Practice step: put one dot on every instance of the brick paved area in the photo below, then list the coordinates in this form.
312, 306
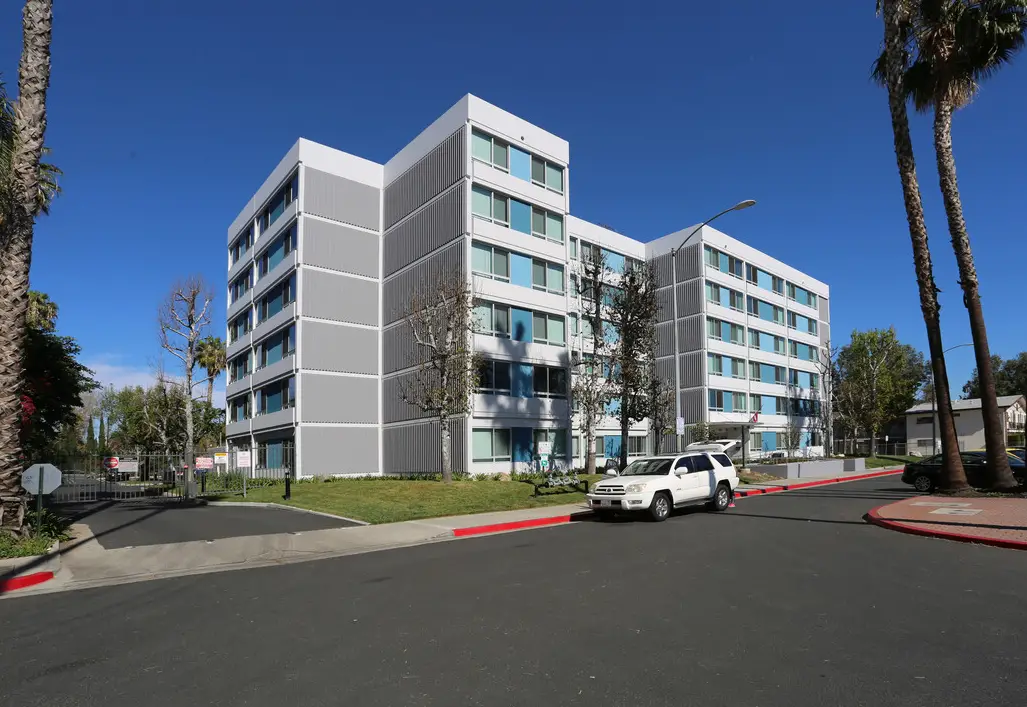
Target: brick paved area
990, 521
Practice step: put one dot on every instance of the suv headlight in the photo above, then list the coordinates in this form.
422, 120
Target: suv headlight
634, 488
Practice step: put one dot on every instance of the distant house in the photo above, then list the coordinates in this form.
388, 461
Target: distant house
921, 420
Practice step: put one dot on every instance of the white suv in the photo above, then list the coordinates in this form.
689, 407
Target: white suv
660, 484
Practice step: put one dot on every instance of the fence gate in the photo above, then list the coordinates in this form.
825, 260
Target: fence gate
145, 477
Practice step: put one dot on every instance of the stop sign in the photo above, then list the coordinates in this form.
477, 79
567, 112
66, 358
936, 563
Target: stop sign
110, 463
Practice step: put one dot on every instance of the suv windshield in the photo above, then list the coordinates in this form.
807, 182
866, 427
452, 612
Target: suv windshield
647, 467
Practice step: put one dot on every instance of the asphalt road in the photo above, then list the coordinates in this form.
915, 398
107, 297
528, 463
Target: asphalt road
153, 522
787, 600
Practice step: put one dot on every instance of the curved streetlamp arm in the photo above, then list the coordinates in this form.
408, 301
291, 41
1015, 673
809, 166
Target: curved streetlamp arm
737, 207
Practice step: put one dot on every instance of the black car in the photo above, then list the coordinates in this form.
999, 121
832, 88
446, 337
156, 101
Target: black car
923, 475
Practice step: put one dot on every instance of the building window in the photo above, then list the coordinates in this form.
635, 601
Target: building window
766, 373
717, 399
723, 262
282, 247
279, 202
557, 438
574, 253
278, 396
241, 245
490, 150
278, 298
600, 446
490, 205
803, 352
240, 286
276, 347
929, 420
239, 367
546, 174
575, 446
766, 342
548, 329
550, 382
766, 311
490, 262
590, 253
547, 277
492, 319
240, 326
494, 378
725, 331
801, 323
802, 296
239, 408
762, 278
637, 446
545, 224
715, 364
490, 445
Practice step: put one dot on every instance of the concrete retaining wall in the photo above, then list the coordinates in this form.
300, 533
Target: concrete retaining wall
812, 469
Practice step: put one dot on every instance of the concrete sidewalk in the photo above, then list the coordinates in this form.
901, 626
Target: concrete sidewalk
86, 563
779, 485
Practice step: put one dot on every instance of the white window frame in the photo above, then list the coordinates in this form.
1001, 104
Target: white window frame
492, 262
492, 441
493, 194
492, 150
545, 269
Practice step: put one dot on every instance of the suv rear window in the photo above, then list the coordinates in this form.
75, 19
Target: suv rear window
723, 460
702, 462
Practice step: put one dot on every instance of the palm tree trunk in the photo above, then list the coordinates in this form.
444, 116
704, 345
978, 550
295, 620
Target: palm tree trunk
1000, 475
16, 249
953, 477
210, 388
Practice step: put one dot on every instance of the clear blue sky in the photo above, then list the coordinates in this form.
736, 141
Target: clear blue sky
166, 116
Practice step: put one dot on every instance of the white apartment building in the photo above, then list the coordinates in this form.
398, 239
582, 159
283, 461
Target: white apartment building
324, 257
923, 435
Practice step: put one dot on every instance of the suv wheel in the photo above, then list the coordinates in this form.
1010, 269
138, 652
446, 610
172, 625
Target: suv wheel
721, 498
660, 508
923, 483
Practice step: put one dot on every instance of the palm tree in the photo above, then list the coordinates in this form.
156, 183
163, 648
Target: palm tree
890, 69
958, 44
212, 356
42, 313
22, 195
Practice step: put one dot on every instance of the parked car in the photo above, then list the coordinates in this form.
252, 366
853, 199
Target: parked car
658, 485
923, 475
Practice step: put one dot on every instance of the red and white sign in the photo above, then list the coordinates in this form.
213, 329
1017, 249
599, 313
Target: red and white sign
204, 462
110, 463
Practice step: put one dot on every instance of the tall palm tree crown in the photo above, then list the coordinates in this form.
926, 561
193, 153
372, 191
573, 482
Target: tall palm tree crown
212, 357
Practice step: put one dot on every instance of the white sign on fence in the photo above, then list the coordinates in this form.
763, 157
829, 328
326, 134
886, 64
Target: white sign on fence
204, 462
128, 465
680, 427
242, 460
220, 457
545, 448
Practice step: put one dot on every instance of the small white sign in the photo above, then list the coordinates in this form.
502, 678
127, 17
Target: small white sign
48, 474
128, 466
204, 462
242, 460
956, 511
680, 426
545, 448
220, 457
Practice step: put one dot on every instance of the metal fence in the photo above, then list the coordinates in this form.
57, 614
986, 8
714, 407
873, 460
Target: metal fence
89, 478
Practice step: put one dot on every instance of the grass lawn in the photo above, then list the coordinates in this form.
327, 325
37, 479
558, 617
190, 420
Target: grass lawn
881, 462
25, 547
391, 501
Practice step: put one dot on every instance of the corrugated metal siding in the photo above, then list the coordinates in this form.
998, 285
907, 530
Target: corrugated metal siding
691, 333
666, 304
665, 369
341, 199
343, 349
689, 261
825, 309
690, 296
326, 451
432, 175
662, 269
339, 298
396, 291
691, 369
337, 247
399, 348
665, 339
394, 407
417, 449
328, 398
693, 405
427, 230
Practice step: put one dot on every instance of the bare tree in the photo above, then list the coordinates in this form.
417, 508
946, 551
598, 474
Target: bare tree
661, 407
184, 318
823, 397
633, 310
441, 317
793, 435
591, 390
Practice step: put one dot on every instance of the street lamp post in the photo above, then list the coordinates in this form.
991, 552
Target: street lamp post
934, 401
674, 298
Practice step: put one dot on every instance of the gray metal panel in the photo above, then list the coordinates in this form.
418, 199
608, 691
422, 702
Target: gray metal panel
690, 295
692, 369
825, 309
691, 333
394, 409
417, 449
427, 230
432, 175
341, 248
665, 369
689, 262
281, 418
239, 306
233, 429
274, 277
666, 304
238, 346
396, 291
344, 349
825, 334
693, 405
665, 339
288, 218
275, 370
399, 348
339, 298
274, 323
328, 451
240, 265
661, 265
237, 387
341, 199
326, 398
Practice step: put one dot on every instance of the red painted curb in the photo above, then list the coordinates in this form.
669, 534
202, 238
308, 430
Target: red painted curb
517, 525
28, 580
819, 482
874, 518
